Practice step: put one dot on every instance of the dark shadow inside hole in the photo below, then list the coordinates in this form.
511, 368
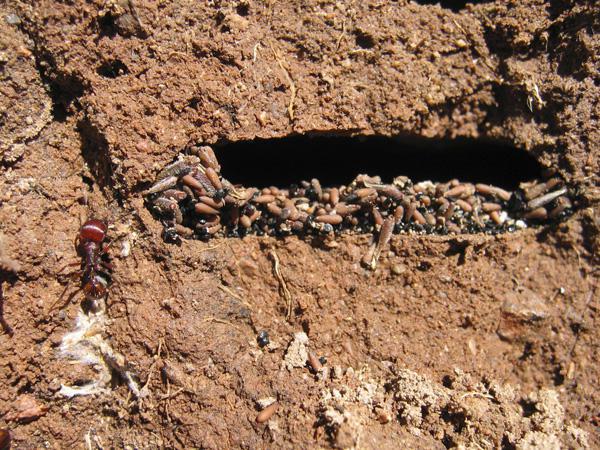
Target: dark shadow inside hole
453, 5
112, 69
337, 161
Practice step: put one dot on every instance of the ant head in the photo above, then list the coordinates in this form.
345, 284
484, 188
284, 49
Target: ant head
93, 230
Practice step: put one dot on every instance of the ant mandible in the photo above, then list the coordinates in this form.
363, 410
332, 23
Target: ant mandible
95, 268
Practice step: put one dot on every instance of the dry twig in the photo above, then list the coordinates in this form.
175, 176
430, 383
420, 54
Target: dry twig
283, 289
289, 79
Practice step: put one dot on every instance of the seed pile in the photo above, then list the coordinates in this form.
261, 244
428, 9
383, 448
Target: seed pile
193, 200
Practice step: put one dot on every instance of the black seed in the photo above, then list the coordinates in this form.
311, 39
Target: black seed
263, 339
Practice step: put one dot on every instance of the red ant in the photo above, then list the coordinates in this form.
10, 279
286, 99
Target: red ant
95, 269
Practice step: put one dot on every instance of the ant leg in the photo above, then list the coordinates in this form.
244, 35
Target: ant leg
60, 298
7, 328
72, 264
107, 265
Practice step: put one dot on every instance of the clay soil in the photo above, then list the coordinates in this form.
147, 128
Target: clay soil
469, 341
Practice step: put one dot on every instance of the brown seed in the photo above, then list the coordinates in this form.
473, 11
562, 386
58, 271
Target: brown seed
203, 208
409, 211
255, 215
314, 362
419, 218
430, 219
264, 199
535, 191
208, 158
489, 207
537, 214
449, 212
245, 221
212, 220
456, 191
392, 192
215, 228
211, 202
377, 217
234, 216
443, 205
213, 178
184, 231
553, 183
266, 191
320, 212
274, 209
316, 185
382, 241
289, 203
426, 200
399, 213
190, 181
465, 206
344, 209
334, 196
486, 189
495, 216
452, 227
267, 412
332, 219
188, 191
365, 192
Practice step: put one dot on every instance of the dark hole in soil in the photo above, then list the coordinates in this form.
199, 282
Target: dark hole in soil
364, 40
454, 5
107, 25
528, 407
447, 381
337, 161
113, 69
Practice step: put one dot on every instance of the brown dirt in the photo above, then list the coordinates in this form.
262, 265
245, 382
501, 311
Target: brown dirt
477, 341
